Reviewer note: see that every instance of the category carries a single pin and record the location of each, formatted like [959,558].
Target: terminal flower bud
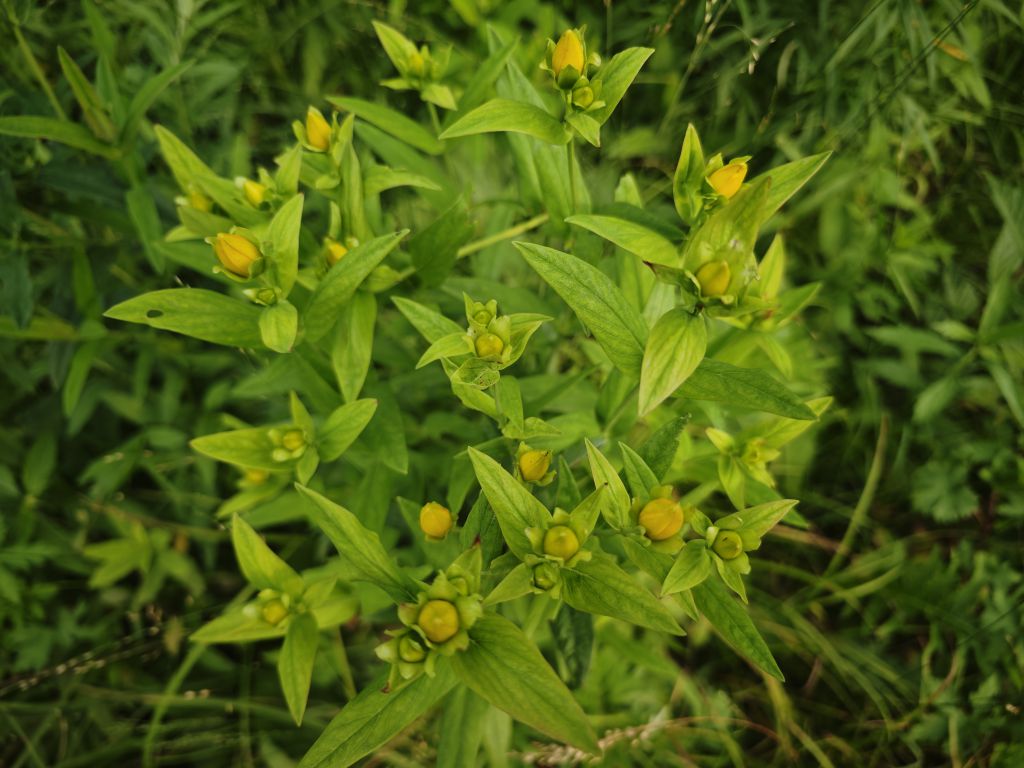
[439,620]
[569,58]
[545,576]
[489,345]
[199,201]
[561,541]
[435,520]
[728,545]
[416,64]
[714,278]
[255,193]
[274,611]
[293,439]
[237,254]
[411,649]
[727,180]
[661,519]
[335,251]
[256,476]
[318,130]
[533,465]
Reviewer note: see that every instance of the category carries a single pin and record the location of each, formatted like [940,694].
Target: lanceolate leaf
[72,134]
[259,564]
[597,302]
[616,75]
[195,312]
[747,387]
[674,349]
[343,426]
[394,123]
[616,507]
[295,664]
[600,586]
[374,717]
[637,239]
[508,115]
[283,251]
[515,507]
[504,666]
[788,178]
[692,566]
[731,621]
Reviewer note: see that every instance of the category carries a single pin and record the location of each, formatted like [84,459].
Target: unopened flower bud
[545,576]
[274,612]
[728,545]
[199,201]
[727,180]
[411,650]
[318,130]
[335,251]
[533,465]
[416,65]
[439,620]
[256,476]
[489,345]
[561,541]
[661,519]
[236,253]
[714,278]
[435,520]
[254,192]
[568,54]
[293,439]
[583,97]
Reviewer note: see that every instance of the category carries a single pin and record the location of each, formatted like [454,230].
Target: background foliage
[896,617]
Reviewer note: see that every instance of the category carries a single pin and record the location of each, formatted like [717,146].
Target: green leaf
[196,312]
[586,126]
[146,219]
[732,623]
[597,301]
[435,247]
[616,75]
[258,563]
[283,252]
[453,345]
[748,387]
[504,667]
[374,717]
[392,122]
[660,449]
[342,281]
[279,324]
[431,324]
[380,178]
[461,729]
[688,180]
[396,45]
[62,131]
[616,509]
[640,477]
[353,344]
[93,110]
[359,546]
[343,426]
[787,179]
[630,236]
[675,348]
[515,507]
[508,115]
[692,566]
[600,586]
[249,448]
[755,522]
[295,664]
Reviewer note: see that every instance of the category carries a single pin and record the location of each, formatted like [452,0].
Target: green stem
[33,63]
[434,118]
[570,159]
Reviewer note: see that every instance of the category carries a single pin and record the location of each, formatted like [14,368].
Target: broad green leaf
[600,586]
[616,508]
[504,667]
[586,126]
[359,546]
[630,236]
[249,448]
[431,324]
[499,115]
[392,122]
[51,129]
[374,717]
[435,247]
[295,663]
[195,312]
[515,507]
[732,623]
[640,476]
[597,301]
[660,449]
[342,281]
[461,729]
[282,252]
[279,324]
[675,348]
[343,426]
[380,178]
[516,584]
[353,344]
[258,563]
[757,521]
[616,75]
[396,45]
[453,345]
[688,180]
[691,567]
[748,387]
[787,179]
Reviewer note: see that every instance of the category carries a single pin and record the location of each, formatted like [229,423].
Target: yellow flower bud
[256,476]
[236,253]
[416,65]
[318,130]
[293,439]
[199,201]
[727,180]
[439,620]
[661,519]
[533,465]
[560,541]
[435,520]
[714,278]
[254,192]
[411,650]
[568,53]
[488,345]
[728,545]
[274,612]
[335,251]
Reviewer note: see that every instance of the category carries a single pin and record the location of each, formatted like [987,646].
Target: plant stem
[434,118]
[505,234]
[33,64]
[570,158]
